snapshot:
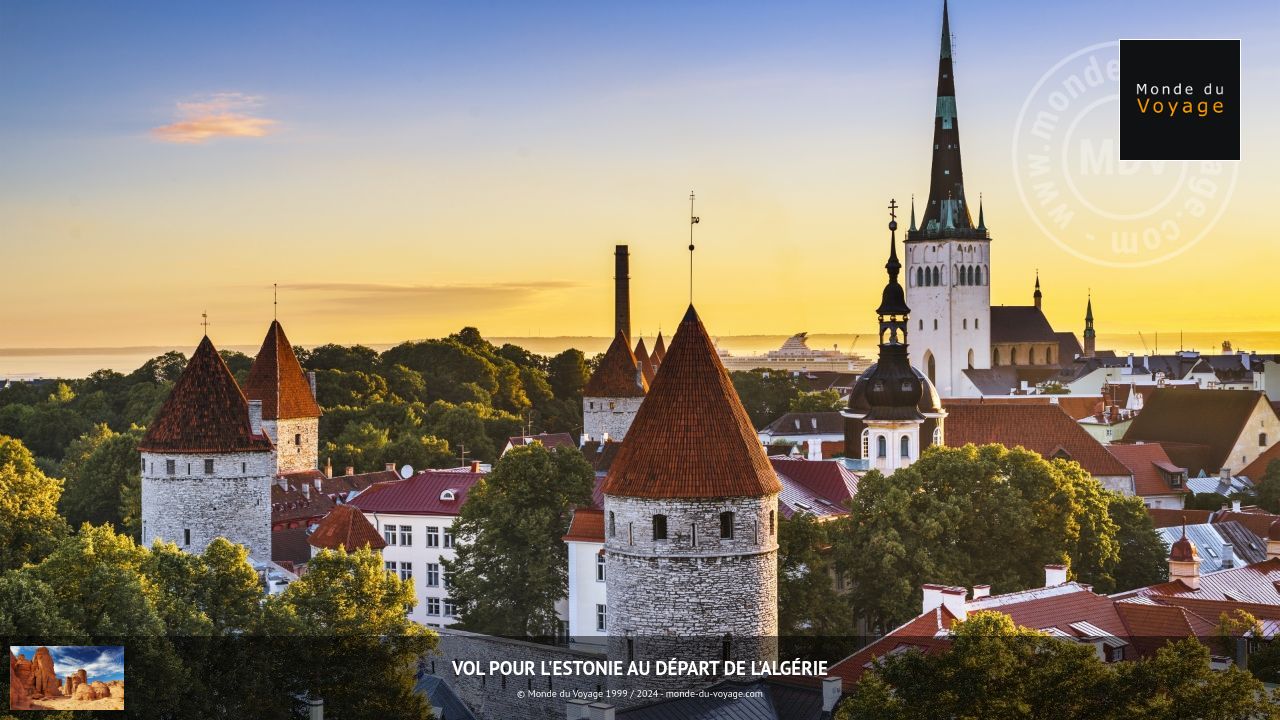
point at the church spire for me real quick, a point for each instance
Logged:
(1037, 295)
(946, 208)
(1090, 336)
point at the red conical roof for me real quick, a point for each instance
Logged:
(616, 375)
(205, 412)
(644, 361)
(659, 350)
(348, 528)
(691, 438)
(276, 379)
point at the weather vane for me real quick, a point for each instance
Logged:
(204, 322)
(693, 220)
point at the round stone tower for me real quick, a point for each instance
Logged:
(207, 463)
(691, 519)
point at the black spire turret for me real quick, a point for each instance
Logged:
(946, 212)
(1090, 336)
(894, 390)
(1037, 294)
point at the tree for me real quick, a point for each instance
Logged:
(1179, 683)
(361, 445)
(356, 358)
(511, 565)
(1268, 488)
(30, 525)
(103, 479)
(808, 603)
(96, 579)
(823, 401)
(766, 394)
(568, 374)
(938, 520)
(420, 451)
(1143, 556)
(28, 607)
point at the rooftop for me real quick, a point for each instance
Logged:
(430, 492)
(1045, 429)
(346, 527)
(276, 378)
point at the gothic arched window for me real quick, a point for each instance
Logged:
(1013, 356)
(866, 443)
(937, 435)
(919, 277)
(995, 356)
(937, 276)
(906, 447)
(882, 447)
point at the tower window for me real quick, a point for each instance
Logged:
(186, 536)
(144, 466)
(921, 323)
(613, 525)
(1262, 439)
(659, 527)
(772, 513)
(975, 323)
(937, 435)
(171, 467)
(693, 535)
(244, 468)
(919, 276)
(906, 447)
(965, 323)
(631, 534)
(297, 439)
(726, 525)
(882, 447)
(208, 466)
(935, 323)
(937, 276)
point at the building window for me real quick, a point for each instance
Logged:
(919, 276)
(693, 535)
(447, 533)
(600, 567)
(171, 467)
(965, 323)
(659, 527)
(882, 447)
(612, 405)
(433, 606)
(631, 533)
(937, 276)
(726, 525)
(297, 439)
(1013, 356)
(1262, 439)
(600, 617)
(433, 537)
(771, 521)
(935, 323)
(613, 525)
(406, 535)
(433, 575)
(186, 536)
(244, 468)
(406, 571)
(866, 443)
(389, 534)
(450, 607)
(975, 323)
(906, 447)
(390, 566)
(208, 466)
(144, 466)
(937, 436)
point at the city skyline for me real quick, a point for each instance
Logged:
(404, 171)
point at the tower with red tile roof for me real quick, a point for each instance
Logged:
(690, 512)
(290, 414)
(207, 463)
(613, 394)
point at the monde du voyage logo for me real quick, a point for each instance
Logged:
(1180, 100)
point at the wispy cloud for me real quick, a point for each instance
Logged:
(100, 662)
(360, 297)
(229, 114)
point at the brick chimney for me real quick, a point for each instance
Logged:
(475, 466)
(622, 292)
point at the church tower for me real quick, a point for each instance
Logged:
(948, 259)
(207, 463)
(1090, 337)
(691, 522)
(894, 411)
(290, 414)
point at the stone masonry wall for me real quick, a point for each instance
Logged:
(234, 502)
(598, 418)
(297, 442)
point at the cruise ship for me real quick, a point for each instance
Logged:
(795, 355)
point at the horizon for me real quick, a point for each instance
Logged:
(363, 158)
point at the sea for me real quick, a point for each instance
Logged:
(78, 362)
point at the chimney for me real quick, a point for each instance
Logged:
(1054, 575)
(576, 709)
(832, 687)
(981, 591)
(621, 293)
(328, 467)
(315, 709)
(475, 466)
(942, 595)
(389, 467)
(306, 490)
(1235, 505)
(1228, 556)
(932, 597)
(350, 470)
(311, 380)
(1273, 540)
(604, 438)
(319, 485)
(584, 439)
(600, 711)
(1225, 473)
(255, 417)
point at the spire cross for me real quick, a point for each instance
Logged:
(204, 322)
(893, 209)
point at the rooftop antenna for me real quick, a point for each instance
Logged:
(462, 454)
(204, 322)
(693, 220)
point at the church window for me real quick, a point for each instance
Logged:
(966, 324)
(937, 276)
(921, 323)
(995, 356)
(983, 278)
(935, 323)
(244, 468)
(975, 323)
(208, 466)
(186, 536)
(906, 447)
(931, 368)
(693, 534)
(971, 357)
(631, 533)
(726, 525)
(882, 447)
(866, 443)
(613, 525)
(659, 527)
(389, 534)
(171, 467)
(1048, 356)
(919, 276)
(188, 468)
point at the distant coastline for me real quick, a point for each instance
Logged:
(71, 362)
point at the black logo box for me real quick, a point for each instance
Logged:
(1187, 68)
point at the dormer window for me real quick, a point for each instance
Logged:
(448, 496)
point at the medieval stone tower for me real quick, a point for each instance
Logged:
(948, 259)
(615, 390)
(894, 412)
(691, 521)
(290, 414)
(207, 463)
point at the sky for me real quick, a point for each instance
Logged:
(404, 169)
(101, 663)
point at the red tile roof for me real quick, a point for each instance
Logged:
(1146, 461)
(1256, 469)
(587, 526)
(1046, 429)
(276, 379)
(418, 495)
(346, 527)
(659, 350)
(923, 633)
(829, 479)
(1255, 520)
(1151, 625)
(290, 546)
(1212, 418)
(205, 412)
(292, 504)
(1173, 517)
(617, 375)
(644, 361)
(1077, 406)
(691, 438)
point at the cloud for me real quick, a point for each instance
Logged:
(104, 662)
(360, 297)
(219, 115)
